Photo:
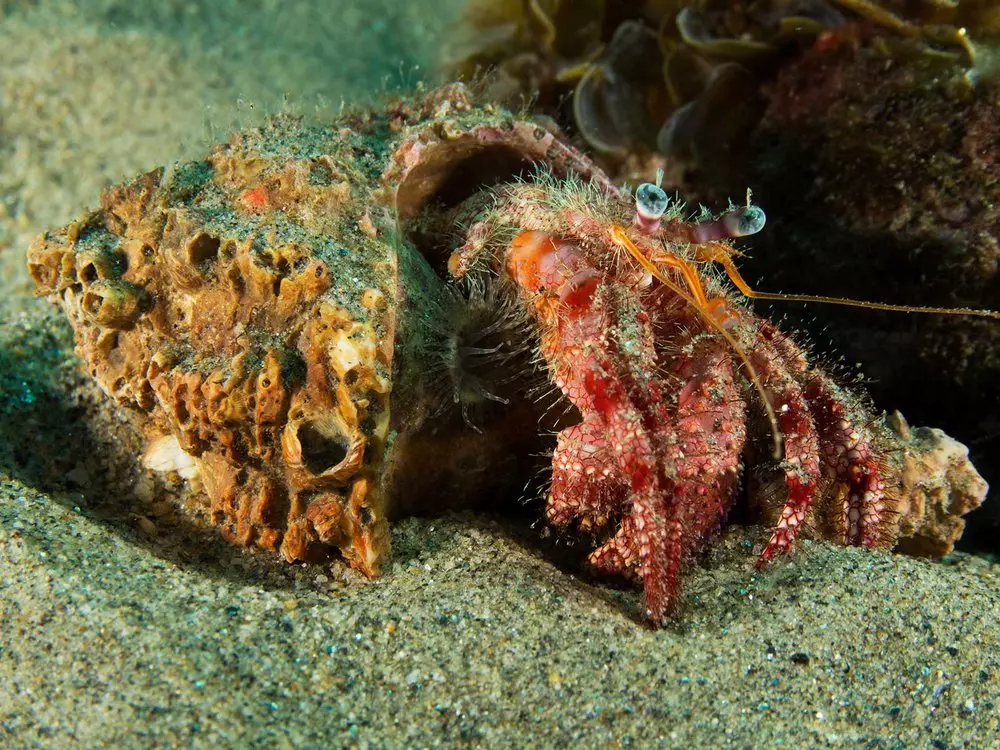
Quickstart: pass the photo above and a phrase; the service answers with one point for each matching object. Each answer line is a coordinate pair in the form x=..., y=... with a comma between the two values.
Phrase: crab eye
x=745, y=220
x=650, y=201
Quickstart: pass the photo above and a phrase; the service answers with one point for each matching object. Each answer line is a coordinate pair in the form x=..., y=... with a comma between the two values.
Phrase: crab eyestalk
x=736, y=222
x=650, y=205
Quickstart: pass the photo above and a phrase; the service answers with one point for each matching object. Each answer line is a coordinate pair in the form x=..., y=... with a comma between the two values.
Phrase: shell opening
x=450, y=185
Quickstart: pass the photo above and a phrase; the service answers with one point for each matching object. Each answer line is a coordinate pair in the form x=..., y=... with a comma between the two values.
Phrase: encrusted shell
x=263, y=311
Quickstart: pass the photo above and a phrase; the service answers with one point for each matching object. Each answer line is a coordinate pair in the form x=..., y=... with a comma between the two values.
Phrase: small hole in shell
x=203, y=248
x=88, y=274
x=320, y=452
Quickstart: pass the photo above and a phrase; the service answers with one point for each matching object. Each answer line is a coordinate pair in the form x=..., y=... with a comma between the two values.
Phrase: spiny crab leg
x=846, y=456
x=620, y=554
x=801, y=460
x=711, y=311
x=851, y=462
x=609, y=377
x=825, y=441
x=586, y=480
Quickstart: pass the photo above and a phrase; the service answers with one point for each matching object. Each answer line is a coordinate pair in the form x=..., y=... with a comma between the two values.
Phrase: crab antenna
x=741, y=284
x=750, y=219
x=620, y=239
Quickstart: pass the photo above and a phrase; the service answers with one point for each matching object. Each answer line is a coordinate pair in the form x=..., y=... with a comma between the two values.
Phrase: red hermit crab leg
x=847, y=458
x=668, y=474
x=586, y=481
x=710, y=312
x=821, y=438
x=610, y=382
x=802, y=457
x=851, y=462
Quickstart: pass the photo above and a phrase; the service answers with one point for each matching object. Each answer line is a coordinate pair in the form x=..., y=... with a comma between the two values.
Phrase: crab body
x=284, y=316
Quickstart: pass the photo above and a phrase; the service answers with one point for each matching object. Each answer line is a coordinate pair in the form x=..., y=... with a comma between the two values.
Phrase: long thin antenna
x=747, y=291
x=745, y=220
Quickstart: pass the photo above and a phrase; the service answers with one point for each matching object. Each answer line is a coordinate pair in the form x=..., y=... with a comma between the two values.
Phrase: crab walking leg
x=660, y=531
x=609, y=381
x=802, y=460
x=608, y=386
x=620, y=554
x=680, y=464
x=698, y=453
x=657, y=508
x=593, y=377
x=681, y=492
x=710, y=431
x=850, y=461
x=586, y=480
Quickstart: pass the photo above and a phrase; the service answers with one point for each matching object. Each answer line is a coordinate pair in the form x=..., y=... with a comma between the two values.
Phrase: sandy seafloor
x=121, y=631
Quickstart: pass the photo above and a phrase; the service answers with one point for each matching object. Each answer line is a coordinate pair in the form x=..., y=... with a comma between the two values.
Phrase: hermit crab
x=322, y=326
